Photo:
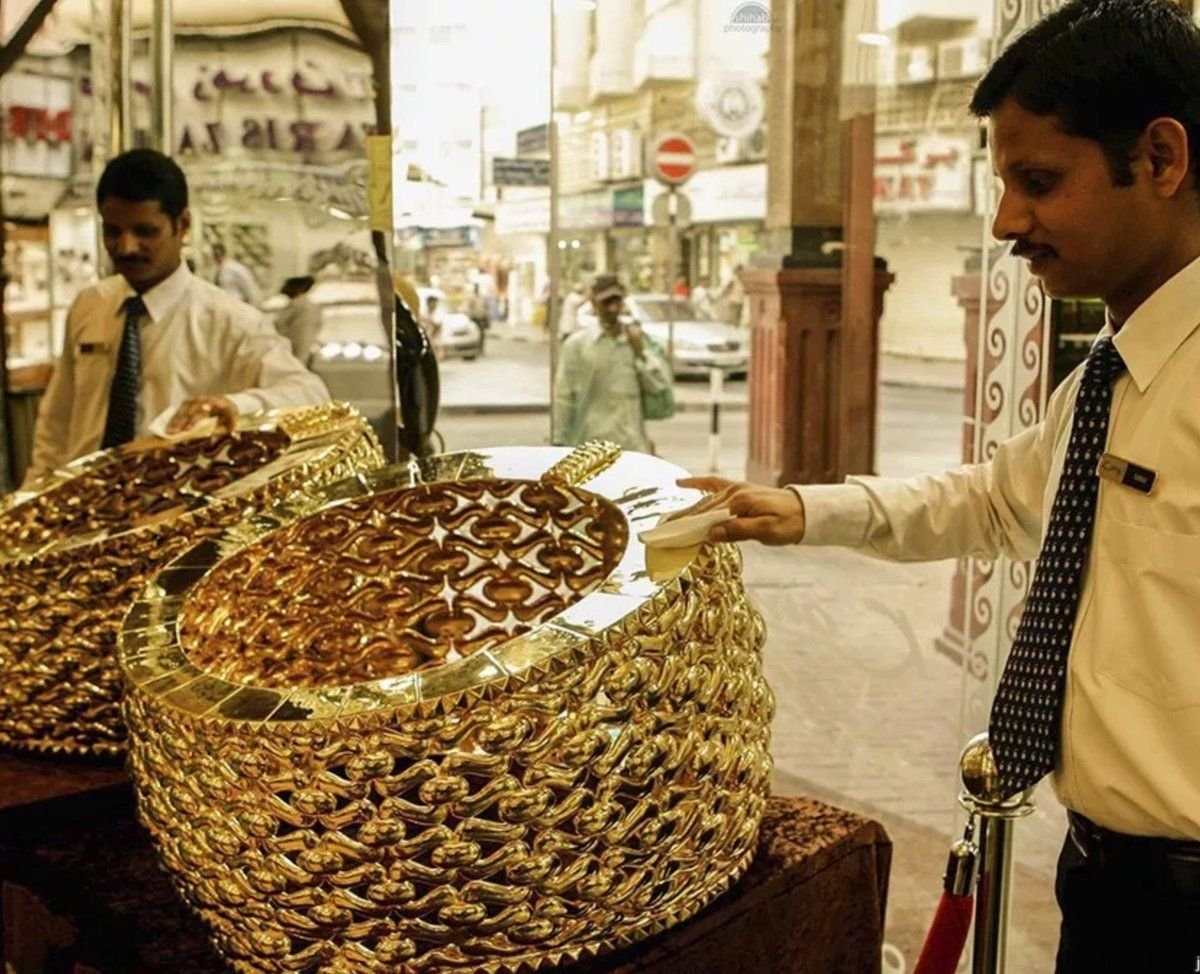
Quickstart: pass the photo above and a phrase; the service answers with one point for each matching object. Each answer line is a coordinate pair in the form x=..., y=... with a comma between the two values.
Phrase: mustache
x=1026, y=249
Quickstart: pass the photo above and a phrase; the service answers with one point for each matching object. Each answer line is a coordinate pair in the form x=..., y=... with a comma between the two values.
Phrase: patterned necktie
x=121, y=422
x=1027, y=710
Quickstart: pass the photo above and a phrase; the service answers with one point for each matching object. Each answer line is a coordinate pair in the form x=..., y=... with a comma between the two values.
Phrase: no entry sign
x=674, y=159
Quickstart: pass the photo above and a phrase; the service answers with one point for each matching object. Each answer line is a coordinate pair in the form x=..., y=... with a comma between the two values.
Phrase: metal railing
x=991, y=823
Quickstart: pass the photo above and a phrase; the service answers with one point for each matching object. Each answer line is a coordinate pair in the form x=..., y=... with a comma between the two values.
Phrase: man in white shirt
x=1094, y=128
x=154, y=340
x=300, y=321
x=235, y=277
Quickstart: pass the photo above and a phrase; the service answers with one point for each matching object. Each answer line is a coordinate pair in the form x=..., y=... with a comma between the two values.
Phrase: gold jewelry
x=451, y=715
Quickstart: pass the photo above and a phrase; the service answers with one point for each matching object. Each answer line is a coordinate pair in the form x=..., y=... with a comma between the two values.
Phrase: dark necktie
x=121, y=422
x=1024, y=730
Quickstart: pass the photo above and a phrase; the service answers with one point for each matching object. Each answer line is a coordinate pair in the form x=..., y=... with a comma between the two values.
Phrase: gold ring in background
x=75, y=553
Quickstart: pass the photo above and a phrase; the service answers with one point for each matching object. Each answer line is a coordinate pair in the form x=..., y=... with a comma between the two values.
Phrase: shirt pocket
x=1146, y=612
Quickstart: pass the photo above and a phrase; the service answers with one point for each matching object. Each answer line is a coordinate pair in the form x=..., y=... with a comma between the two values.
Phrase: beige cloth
x=1130, y=755
x=196, y=341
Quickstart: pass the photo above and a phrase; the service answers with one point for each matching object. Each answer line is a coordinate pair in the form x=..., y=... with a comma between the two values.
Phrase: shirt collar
x=1159, y=325
x=599, y=331
x=163, y=297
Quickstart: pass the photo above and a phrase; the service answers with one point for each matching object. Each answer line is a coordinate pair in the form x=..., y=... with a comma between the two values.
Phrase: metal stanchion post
x=716, y=388
x=981, y=796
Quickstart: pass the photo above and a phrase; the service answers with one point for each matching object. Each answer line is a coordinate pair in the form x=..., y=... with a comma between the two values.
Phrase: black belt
x=1176, y=861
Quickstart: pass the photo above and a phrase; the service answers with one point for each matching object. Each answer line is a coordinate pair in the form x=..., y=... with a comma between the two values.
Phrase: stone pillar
x=816, y=296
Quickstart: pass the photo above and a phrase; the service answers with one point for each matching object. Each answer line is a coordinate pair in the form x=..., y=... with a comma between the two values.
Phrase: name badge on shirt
x=1126, y=473
x=93, y=348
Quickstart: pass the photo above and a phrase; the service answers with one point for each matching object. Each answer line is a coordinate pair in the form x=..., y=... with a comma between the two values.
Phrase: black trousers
x=1135, y=911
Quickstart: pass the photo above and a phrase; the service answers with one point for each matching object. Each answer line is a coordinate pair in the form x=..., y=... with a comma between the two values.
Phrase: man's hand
x=201, y=408
x=637, y=341
x=772, y=515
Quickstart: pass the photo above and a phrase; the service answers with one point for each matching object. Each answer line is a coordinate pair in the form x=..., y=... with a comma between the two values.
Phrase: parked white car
x=701, y=344
x=459, y=336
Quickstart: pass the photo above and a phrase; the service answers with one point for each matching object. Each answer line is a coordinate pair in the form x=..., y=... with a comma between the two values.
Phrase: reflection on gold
x=73, y=557
x=521, y=786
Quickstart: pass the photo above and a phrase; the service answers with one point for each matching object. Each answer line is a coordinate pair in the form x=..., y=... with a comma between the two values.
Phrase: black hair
x=144, y=174
x=299, y=285
x=1105, y=69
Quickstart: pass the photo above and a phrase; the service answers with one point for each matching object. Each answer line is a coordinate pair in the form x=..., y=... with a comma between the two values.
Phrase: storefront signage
x=521, y=172
x=310, y=98
x=728, y=194
x=922, y=173
x=449, y=237
x=628, y=206
x=530, y=215
x=274, y=135
x=37, y=124
x=532, y=141
x=586, y=211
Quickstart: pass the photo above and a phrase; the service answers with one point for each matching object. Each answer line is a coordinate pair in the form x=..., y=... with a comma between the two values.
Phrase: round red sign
x=674, y=158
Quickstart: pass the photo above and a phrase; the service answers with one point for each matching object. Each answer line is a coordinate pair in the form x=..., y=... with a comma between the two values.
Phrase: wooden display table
x=82, y=893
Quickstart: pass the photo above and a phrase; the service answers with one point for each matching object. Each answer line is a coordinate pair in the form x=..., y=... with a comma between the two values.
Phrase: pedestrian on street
x=1094, y=129
x=568, y=319
x=153, y=340
x=605, y=368
x=300, y=321
x=235, y=277
x=430, y=321
x=477, y=311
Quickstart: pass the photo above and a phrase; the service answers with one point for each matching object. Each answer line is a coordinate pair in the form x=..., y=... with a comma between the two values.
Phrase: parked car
x=700, y=344
x=460, y=336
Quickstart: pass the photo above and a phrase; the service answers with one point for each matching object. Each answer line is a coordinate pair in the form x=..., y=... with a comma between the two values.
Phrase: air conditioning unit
x=750, y=148
x=600, y=168
x=965, y=58
x=914, y=65
x=624, y=154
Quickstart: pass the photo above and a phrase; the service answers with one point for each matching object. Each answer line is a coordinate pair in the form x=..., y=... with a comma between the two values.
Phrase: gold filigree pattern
x=381, y=586
x=127, y=488
x=567, y=791
x=76, y=553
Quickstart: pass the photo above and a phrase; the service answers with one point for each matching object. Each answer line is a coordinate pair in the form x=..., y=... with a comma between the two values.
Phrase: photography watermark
x=751, y=17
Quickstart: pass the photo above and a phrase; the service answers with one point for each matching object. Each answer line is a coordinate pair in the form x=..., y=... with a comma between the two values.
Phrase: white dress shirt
x=196, y=341
x=299, y=323
x=598, y=391
x=1130, y=748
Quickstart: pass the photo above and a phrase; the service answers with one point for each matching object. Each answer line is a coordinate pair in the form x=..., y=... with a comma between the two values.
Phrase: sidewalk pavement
x=514, y=376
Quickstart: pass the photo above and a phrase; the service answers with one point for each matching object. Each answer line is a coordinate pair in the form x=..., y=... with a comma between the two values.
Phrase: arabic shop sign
x=256, y=96
x=922, y=173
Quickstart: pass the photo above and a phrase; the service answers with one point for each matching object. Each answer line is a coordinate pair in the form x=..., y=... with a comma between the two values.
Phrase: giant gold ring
x=450, y=716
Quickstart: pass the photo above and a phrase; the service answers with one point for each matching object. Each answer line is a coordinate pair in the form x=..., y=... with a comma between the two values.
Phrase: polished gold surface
x=74, y=554
x=547, y=746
